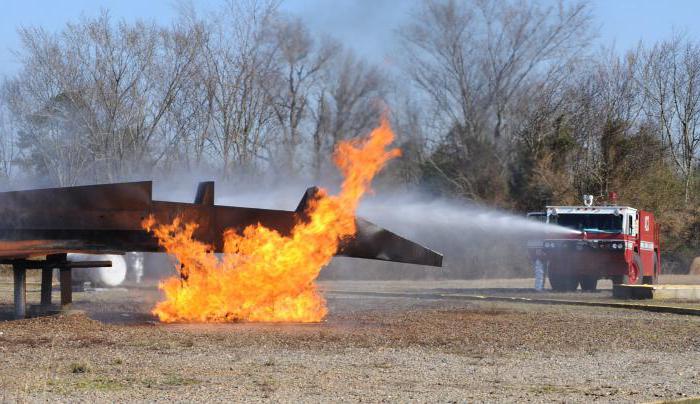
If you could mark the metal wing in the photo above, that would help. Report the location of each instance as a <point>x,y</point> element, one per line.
<point>107,218</point>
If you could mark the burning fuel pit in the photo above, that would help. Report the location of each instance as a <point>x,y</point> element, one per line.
<point>267,275</point>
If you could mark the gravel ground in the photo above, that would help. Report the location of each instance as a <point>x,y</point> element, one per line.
<point>369,349</point>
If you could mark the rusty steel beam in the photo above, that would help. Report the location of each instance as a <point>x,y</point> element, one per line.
<point>107,219</point>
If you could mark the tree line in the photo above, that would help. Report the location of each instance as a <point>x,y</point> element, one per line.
<point>500,102</point>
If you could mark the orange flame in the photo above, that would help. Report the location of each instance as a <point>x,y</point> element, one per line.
<point>263,275</point>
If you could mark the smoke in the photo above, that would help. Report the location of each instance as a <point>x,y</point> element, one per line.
<point>413,211</point>
<point>477,241</point>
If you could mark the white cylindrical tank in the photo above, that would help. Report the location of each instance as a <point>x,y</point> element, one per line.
<point>107,276</point>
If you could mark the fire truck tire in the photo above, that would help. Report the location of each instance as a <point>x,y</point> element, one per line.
<point>654,278</point>
<point>588,283</point>
<point>639,280</point>
<point>562,282</point>
<point>616,279</point>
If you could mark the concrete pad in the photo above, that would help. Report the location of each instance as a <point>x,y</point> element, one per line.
<point>657,292</point>
<point>677,292</point>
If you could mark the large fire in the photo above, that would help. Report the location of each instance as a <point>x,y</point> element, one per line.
<point>264,275</point>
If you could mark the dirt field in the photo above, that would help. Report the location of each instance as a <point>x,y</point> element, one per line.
<point>369,349</point>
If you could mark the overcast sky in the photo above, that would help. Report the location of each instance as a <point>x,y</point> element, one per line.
<point>366,25</point>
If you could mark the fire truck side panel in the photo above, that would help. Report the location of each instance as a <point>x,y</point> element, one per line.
<point>657,247</point>
<point>647,240</point>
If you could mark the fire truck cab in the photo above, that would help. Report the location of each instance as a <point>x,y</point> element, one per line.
<point>620,243</point>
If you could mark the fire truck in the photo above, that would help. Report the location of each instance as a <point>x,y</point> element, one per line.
<point>590,242</point>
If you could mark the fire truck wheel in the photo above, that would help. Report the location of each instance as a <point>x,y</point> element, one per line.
<point>634,275</point>
<point>654,278</point>
<point>588,283</point>
<point>562,282</point>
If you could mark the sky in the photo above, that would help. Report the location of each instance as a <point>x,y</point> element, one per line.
<point>365,25</point>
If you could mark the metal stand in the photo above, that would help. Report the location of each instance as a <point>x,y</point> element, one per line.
<point>20,277</point>
<point>46,285</point>
<point>66,287</point>
<point>59,261</point>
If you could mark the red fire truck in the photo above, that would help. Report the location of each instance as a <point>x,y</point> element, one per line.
<point>593,242</point>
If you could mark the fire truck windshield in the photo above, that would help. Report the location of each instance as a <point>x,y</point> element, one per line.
<point>598,223</point>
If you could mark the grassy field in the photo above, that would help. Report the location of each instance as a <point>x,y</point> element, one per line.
<point>109,348</point>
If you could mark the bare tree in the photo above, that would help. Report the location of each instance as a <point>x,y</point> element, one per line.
<point>617,108</point>
<point>408,119</point>
<point>114,82</point>
<point>9,150</point>
<point>300,61</point>
<point>670,77</point>
<point>474,62</point>
<point>350,92</point>
<point>238,61</point>
<point>473,59</point>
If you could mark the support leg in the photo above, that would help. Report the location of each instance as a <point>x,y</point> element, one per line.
<point>20,277</point>
<point>46,283</point>
<point>66,287</point>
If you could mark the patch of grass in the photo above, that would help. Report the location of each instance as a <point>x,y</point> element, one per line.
<point>78,368</point>
<point>68,386</point>
<point>382,365</point>
<point>90,341</point>
<point>551,389</point>
<point>147,381</point>
<point>491,310</point>
<point>36,342</point>
<point>648,361</point>
<point>177,380</point>
<point>157,345</point>
<point>99,383</point>
<point>267,386</point>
